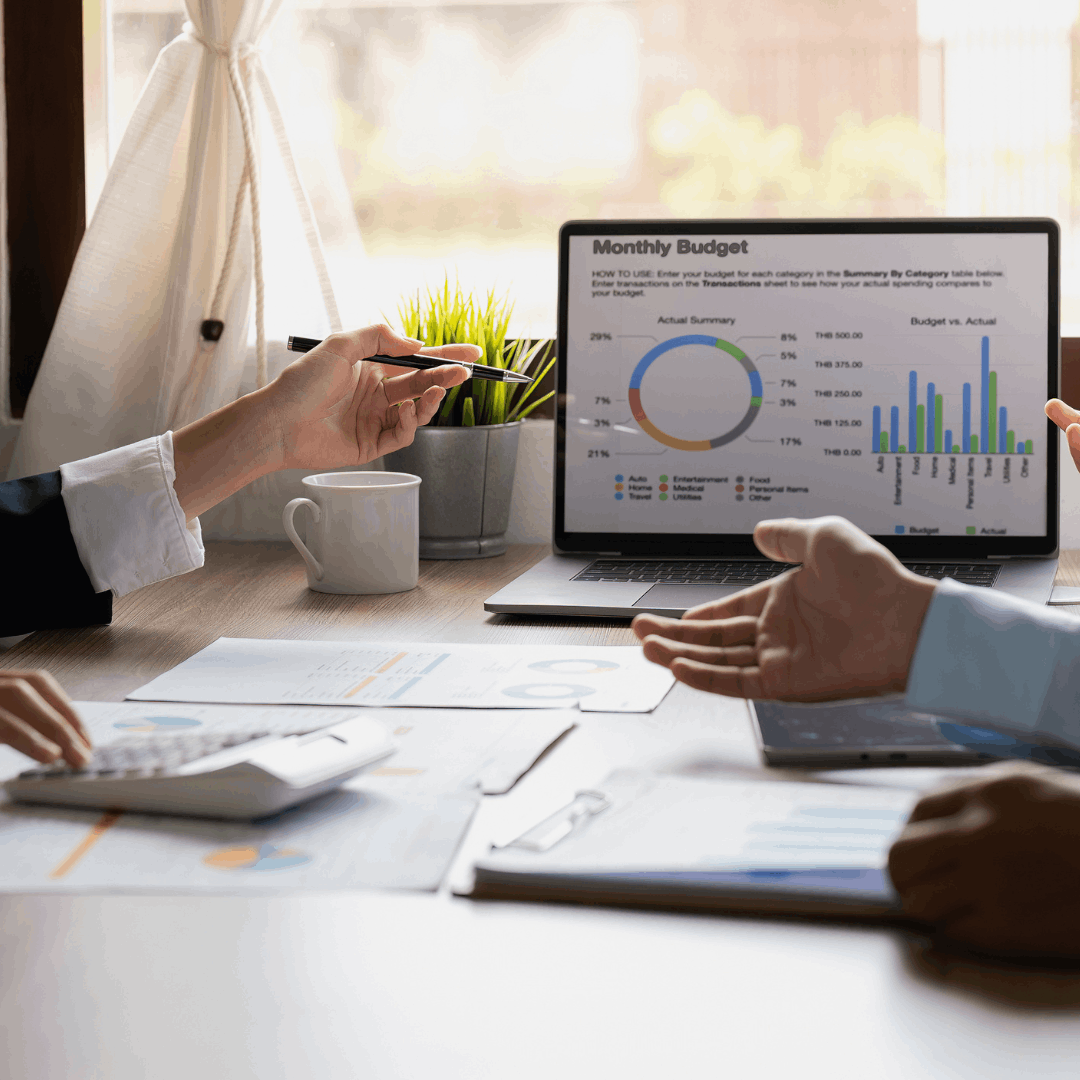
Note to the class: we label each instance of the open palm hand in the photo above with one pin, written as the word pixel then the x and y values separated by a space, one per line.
pixel 843 624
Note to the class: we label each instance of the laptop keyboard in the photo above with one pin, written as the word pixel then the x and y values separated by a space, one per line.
pixel 751 572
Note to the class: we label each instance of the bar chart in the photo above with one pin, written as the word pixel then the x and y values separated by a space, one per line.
pixel 926 431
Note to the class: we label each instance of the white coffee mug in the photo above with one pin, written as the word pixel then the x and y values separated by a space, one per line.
pixel 364 535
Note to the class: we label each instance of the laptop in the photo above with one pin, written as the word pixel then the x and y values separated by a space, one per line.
pixel 716 373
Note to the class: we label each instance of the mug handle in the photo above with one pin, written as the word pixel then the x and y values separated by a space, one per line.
pixel 290 528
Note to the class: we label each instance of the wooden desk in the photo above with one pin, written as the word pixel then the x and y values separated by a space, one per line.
pixel 403 986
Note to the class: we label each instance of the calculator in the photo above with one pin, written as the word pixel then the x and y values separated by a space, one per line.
pixel 236 774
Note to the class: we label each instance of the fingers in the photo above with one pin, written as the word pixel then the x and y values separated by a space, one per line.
pixel 941 900
pixel 454 354
pixel 1072 437
pixel 784 539
pixel 747 602
pixel 923 850
pixel 21 701
pixel 414 384
pixel 662 651
pixel 380 339
pixel 20 735
pixel 740 682
pixel 53 693
pixel 401 434
pixel 737 631
pixel 1063 415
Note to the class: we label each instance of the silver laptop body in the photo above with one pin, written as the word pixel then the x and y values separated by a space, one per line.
pixel 716 373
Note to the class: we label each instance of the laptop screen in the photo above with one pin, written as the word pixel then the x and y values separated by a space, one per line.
pixel 713 374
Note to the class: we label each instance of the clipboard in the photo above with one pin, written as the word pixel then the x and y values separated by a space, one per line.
pixel 663 841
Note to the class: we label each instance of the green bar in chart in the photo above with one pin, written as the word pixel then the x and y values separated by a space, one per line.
pixel 1028 450
pixel 901 449
pixel 991 437
pixel 974 444
pixel 884 442
pixel 939 446
pixel 1010 441
pixel 920 429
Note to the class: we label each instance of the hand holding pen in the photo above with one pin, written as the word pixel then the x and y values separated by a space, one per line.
pixel 423 363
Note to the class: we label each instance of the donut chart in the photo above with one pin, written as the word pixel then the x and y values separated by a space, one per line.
pixel 695 444
pixel 575 666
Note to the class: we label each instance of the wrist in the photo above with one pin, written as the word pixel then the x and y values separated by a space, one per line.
pixel 224 451
pixel 910 611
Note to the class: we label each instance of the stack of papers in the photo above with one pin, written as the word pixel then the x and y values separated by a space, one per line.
pixel 615 678
pixel 396 826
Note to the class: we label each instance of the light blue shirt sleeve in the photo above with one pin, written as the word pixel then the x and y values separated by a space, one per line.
pixel 1008 664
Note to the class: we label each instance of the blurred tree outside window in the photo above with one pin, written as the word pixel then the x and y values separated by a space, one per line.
pixel 452 136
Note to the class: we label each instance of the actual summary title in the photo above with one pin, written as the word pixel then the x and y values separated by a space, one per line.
pixel 719 248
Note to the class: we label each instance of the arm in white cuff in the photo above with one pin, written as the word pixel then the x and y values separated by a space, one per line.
pixel 125 517
pixel 985 656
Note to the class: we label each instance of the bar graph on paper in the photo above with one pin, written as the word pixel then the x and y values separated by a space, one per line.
pixel 981 427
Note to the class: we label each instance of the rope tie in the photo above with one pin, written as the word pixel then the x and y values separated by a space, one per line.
pixel 240 81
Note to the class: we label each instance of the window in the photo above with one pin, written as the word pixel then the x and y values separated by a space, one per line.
pixel 456 137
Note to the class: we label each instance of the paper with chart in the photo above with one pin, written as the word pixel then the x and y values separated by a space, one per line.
pixel 350 838
pixel 595 678
pixel 395 826
pixel 671 824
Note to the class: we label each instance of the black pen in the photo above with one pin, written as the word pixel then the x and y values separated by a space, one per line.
pixel 424 363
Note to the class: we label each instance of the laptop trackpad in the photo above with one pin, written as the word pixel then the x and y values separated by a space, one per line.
pixel 677 598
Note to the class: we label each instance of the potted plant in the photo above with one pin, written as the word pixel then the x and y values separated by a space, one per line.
pixel 467 454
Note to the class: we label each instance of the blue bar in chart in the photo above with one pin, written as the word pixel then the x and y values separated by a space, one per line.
pixel 925 423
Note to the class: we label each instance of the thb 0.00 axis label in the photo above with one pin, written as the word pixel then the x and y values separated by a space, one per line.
pixel 695 444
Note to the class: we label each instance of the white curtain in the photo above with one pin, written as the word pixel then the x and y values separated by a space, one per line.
pixel 173 244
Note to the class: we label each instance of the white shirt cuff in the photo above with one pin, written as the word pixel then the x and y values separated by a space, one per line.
pixel 986 656
pixel 125 517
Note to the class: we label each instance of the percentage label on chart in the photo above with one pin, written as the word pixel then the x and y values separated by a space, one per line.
pixel 598 453
pixel 599 335
pixel 601 400
pixel 791 442
pixel 788 337
pixel 787 401
pixel 601 423
pixel 787 382
pixel 788 356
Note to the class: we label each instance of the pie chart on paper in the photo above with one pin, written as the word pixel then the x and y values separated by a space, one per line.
pixel 548 691
pixel 256 857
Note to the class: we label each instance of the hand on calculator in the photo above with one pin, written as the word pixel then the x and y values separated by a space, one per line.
pixel 37 719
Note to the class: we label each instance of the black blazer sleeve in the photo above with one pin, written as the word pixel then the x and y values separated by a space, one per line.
pixel 44 584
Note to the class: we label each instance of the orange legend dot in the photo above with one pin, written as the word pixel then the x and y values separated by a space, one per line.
pixel 618 487
pixel 739 487
pixel 663 487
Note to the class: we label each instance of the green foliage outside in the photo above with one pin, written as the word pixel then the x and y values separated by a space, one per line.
pixel 447 317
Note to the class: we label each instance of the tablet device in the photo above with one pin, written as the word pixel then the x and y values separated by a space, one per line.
pixel 886 732
pixel 856 733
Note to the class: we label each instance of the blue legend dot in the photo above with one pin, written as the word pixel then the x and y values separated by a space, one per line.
pixel 618 494
pixel 898 528
pixel 618 479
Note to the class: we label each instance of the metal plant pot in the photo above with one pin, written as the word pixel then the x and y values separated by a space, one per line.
pixel 468 475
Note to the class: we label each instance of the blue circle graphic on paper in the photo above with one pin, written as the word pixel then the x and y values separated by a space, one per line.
pixel 548 691
pixel 575 666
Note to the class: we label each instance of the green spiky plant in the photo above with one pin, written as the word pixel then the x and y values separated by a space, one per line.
pixel 449 316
